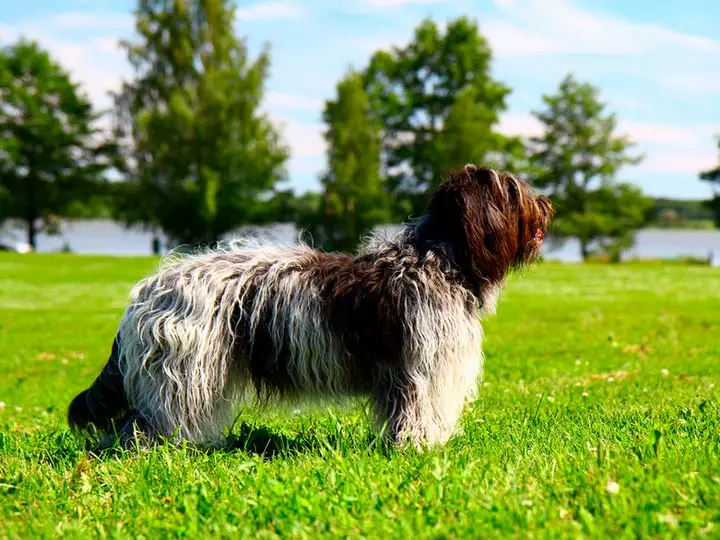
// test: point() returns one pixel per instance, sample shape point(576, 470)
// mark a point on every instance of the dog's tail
point(104, 401)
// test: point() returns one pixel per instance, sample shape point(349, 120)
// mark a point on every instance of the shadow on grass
point(265, 442)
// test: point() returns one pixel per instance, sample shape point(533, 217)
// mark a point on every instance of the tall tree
point(713, 177)
point(414, 89)
point(202, 153)
point(353, 199)
point(467, 137)
point(51, 156)
point(576, 160)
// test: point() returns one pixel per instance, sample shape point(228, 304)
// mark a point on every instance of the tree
point(713, 176)
point(681, 213)
point(467, 137)
point(4, 203)
point(669, 217)
point(610, 216)
point(52, 159)
point(576, 161)
point(353, 199)
point(425, 87)
point(202, 154)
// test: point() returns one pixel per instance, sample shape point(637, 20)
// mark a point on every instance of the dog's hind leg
point(104, 401)
point(134, 430)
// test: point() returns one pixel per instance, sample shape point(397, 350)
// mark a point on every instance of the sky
point(656, 63)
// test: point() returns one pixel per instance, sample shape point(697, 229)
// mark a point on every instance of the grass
point(599, 416)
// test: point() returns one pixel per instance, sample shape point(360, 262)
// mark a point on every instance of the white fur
point(177, 351)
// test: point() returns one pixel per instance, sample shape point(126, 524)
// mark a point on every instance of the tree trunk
point(584, 250)
point(31, 232)
point(31, 210)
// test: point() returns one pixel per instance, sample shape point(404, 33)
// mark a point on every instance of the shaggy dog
point(397, 322)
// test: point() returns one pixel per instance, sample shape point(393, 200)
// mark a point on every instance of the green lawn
point(599, 415)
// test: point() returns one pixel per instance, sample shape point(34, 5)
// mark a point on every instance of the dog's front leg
point(409, 410)
point(420, 401)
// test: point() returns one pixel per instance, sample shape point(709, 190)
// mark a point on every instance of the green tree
point(468, 137)
point(713, 177)
point(576, 161)
point(353, 199)
point(682, 213)
point(52, 159)
point(202, 154)
point(426, 87)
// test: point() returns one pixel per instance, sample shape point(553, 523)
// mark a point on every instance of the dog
point(250, 322)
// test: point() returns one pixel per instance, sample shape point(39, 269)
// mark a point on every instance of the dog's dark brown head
point(488, 223)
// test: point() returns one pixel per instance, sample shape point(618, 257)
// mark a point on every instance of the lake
point(105, 237)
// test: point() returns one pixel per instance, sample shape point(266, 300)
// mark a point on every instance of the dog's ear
point(546, 210)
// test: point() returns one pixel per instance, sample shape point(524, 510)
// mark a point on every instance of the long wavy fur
point(257, 322)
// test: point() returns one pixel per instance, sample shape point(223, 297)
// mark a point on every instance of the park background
point(302, 109)
point(127, 129)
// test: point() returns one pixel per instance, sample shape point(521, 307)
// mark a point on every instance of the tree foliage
point(354, 199)
point(52, 158)
point(467, 137)
point(713, 177)
point(576, 161)
point(202, 154)
point(438, 104)
point(681, 213)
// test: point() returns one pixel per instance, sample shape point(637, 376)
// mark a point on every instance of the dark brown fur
point(479, 225)
point(486, 226)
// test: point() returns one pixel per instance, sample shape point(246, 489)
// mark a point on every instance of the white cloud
point(650, 134)
point(70, 20)
point(304, 138)
point(654, 132)
point(106, 44)
point(559, 27)
point(93, 58)
point(369, 45)
point(307, 151)
point(668, 148)
point(636, 104)
point(603, 43)
point(95, 64)
point(697, 138)
point(524, 125)
point(590, 42)
point(282, 101)
point(510, 39)
point(269, 10)
point(678, 162)
point(700, 82)
point(307, 165)
point(83, 20)
point(96, 61)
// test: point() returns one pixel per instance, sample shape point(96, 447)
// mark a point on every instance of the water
point(105, 237)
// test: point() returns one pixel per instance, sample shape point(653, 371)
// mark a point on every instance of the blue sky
point(657, 64)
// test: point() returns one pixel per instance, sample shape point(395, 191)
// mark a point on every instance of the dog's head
point(487, 223)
